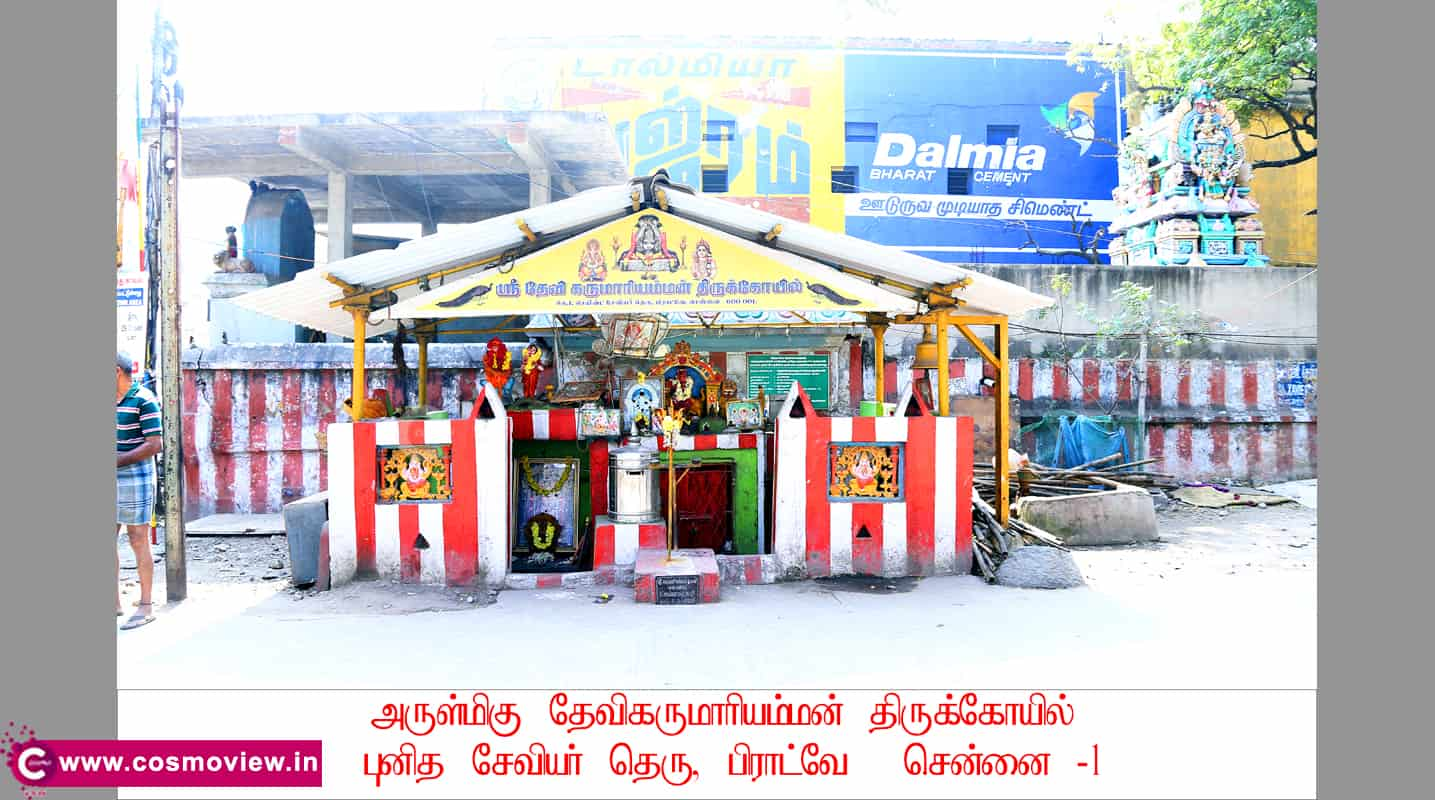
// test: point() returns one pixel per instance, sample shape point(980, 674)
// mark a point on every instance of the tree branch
point(1305, 155)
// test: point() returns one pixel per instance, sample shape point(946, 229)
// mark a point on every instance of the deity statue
point(532, 368)
point(497, 364)
point(681, 394)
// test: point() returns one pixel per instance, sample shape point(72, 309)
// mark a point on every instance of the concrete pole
point(341, 217)
point(428, 228)
point(1003, 423)
point(879, 361)
point(176, 580)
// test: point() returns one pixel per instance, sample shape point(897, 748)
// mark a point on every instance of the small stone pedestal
point(617, 543)
point(689, 579)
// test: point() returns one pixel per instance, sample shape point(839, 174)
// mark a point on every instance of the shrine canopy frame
point(472, 271)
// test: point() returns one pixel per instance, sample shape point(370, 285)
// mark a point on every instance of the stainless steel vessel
point(633, 485)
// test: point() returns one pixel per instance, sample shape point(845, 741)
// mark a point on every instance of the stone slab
point(653, 565)
point(236, 525)
point(1120, 516)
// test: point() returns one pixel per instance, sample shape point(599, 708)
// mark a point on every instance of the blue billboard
point(978, 158)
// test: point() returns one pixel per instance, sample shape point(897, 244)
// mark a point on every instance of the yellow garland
point(533, 483)
point(543, 538)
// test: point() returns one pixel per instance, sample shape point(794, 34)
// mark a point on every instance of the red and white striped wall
point(617, 543)
point(555, 424)
point(928, 532)
point(253, 435)
point(1207, 419)
point(467, 538)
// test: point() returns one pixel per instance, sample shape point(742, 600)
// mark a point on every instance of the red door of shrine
point(704, 512)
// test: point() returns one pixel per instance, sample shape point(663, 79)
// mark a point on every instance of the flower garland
point(533, 482)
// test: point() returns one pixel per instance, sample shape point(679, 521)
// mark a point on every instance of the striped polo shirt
point(136, 417)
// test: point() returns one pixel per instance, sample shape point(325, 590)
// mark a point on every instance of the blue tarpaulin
point(1082, 440)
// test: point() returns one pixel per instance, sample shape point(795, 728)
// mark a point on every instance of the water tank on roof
point(279, 233)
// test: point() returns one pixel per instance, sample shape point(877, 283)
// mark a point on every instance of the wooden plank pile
point(1097, 476)
point(991, 543)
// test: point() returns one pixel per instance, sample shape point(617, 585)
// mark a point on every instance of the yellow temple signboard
point(647, 262)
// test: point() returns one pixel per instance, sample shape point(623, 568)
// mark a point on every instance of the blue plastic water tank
point(279, 233)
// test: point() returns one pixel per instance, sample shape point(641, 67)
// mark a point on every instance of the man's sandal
point(140, 618)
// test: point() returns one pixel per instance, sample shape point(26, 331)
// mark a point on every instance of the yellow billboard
point(769, 120)
point(651, 262)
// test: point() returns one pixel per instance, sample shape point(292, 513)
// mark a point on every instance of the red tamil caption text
point(671, 719)
point(537, 761)
point(408, 762)
point(420, 719)
point(916, 719)
point(673, 768)
point(743, 762)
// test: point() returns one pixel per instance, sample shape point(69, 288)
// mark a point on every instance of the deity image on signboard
point(593, 266)
point(648, 249)
point(414, 474)
point(704, 265)
point(860, 471)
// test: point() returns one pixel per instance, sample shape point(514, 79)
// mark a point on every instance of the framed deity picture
point(413, 474)
point(596, 422)
point(744, 415)
point(545, 509)
point(865, 472)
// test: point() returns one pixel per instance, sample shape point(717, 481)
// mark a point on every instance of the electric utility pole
point(167, 102)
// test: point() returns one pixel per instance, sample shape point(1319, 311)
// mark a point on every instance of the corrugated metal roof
point(478, 241)
point(985, 294)
point(305, 301)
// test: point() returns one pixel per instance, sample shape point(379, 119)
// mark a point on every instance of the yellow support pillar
point(1002, 427)
point(423, 371)
point(361, 325)
point(943, 389)
point(879, 359)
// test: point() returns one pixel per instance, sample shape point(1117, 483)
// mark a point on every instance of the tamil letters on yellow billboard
point(651, 262)
point(772, 118)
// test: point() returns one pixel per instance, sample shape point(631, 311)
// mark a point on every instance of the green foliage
point(1166, 326)
point(1252, 52)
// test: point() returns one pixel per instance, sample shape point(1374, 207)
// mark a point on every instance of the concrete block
point(1119, 516)
point(653, 564)
point(304, 522)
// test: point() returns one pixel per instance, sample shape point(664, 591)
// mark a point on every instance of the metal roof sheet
point(305, 301)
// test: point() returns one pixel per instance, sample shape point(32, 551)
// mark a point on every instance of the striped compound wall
point(254, 437)
point(1207, 419)
point(467, 538)
point(928, 532)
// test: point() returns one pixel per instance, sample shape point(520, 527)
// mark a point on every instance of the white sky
point(274, 56)
point(294, 56)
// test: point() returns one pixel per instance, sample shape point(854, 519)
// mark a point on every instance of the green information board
point(775, 374)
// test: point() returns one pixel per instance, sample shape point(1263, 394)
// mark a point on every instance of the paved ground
point(1225, 600)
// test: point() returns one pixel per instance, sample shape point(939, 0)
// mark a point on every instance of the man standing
point(137, 427)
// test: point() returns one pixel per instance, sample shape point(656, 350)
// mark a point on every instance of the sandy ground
point(1225, 600)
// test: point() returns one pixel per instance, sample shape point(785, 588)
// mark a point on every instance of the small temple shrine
point(1184, 197)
